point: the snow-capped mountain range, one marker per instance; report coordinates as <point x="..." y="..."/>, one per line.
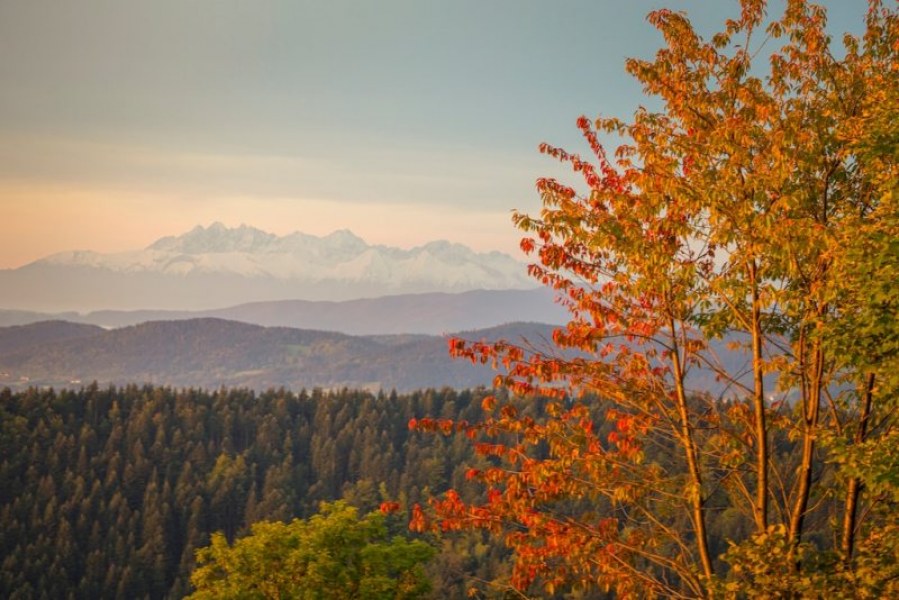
<point x="216" y="266"/>
<point x="341" y="255"/>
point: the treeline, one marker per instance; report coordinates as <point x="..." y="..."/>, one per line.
<point x="106" y="493"/>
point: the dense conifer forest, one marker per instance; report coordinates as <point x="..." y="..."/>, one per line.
<point x="107" y="493"/>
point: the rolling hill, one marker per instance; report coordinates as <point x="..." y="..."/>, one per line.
<point x="211" y="353"/>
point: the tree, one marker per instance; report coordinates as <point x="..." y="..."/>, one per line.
<point x="752" y="216"/>
<point x="334" y="554"/>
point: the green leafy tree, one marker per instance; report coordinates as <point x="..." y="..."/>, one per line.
<point x="334" y="554"/>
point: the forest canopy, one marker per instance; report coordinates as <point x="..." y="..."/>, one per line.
<point x="110" y="492"/>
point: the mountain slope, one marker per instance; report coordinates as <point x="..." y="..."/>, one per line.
<point x="37" y="335"/>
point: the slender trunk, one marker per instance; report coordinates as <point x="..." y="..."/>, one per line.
<point x="811" y="405"/>
<point x="695" y="487"/>
<point x="855" y="484"/>
<point x="760" y="509"/>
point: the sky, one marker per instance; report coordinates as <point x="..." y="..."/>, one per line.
<point x="405" y="121"/>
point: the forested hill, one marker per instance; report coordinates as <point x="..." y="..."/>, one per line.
<point x="212" y="353"/>
<point x="105" y="493"/>
<point x="37" y="335"/>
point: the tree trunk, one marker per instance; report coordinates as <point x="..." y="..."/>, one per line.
<point x="855" y="484"/>
<point x="760" y="509"/>
<point x="811" y="406"/>
<point x="686" y="434"/>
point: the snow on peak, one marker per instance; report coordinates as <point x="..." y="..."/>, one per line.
<point x="344" y="242"/>
<point x="301" y="259"/>
<point x="344" y="236"/>
<point x="216" y="238"/>
<point x="448" y="251"/>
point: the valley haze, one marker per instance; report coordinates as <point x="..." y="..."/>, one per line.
<point x="428" y="313"/>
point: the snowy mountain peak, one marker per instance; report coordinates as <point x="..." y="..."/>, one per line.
<point x="216" y="238"/>
<point x="344" y="240"/>
<point x="210" y="264"/>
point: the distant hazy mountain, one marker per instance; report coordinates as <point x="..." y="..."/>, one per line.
<point x="212" y="352"/>
<point x="219" y="266"/>
<point x="432" y="313"/>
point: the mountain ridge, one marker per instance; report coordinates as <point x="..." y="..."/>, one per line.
<point x="425" y="313"/>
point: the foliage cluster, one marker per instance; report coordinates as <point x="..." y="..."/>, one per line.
<point x="334" y="555"/>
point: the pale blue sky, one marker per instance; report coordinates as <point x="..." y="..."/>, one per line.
<point x="404" y="120"/>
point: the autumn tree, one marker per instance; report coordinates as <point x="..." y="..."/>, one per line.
<point x="754" y="216"/>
